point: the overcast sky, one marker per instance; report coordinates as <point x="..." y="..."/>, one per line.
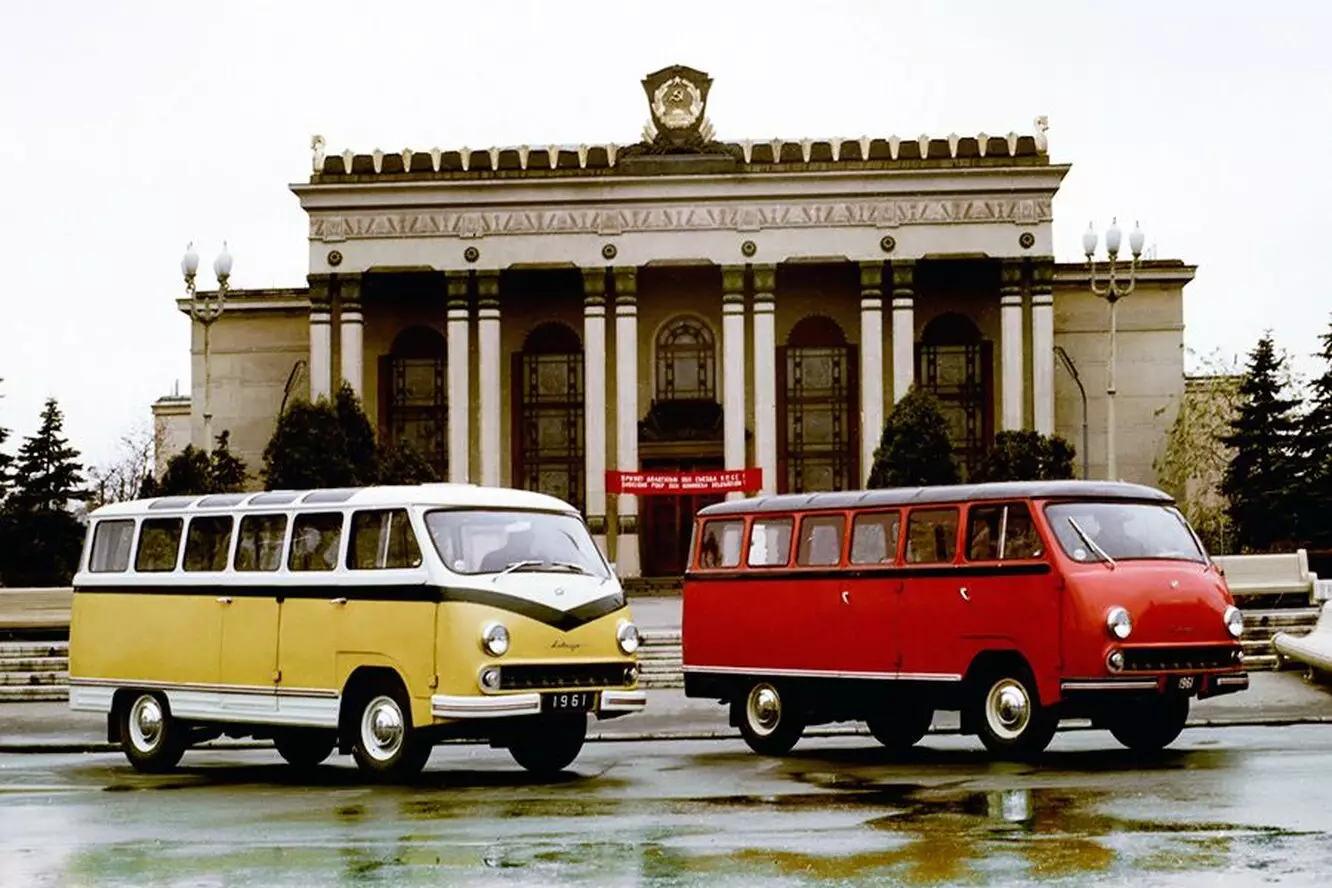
<point x="130" y="128"/>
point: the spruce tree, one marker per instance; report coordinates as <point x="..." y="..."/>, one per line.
<point x="6" y="463"/>
<point x="187" y="473"/>
<point x="1314" y="456"/>
<point x="226" y="470"/>
<point x="1260" y="483"/>
<point x="362" y="452"/>
<point x="404" y="464"/>
<point x="1026" y="456"/>
<point x="915" y="449"/>
<point x="49" y="474"/>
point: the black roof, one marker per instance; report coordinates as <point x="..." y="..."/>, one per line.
<point x="902" y="496"/>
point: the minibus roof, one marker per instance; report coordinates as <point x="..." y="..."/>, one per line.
<point x="950" y="493"/>
<point x="444" y="495"/>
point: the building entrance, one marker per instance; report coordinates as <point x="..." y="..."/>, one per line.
<point x="668" y="521"/>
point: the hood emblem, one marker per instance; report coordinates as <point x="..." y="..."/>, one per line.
<point x="559" y="590"/>
<point x="1174" y="584"/>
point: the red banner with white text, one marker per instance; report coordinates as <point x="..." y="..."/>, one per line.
<point x="676" y="483"/>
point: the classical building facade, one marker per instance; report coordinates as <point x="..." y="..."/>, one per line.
<point x="534" y="316"/>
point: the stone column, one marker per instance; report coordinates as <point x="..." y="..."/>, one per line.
<point x="1042" y="345"/>
<point x="626" y="427"/>
<point x="904" y="327"/>
<point x="733" y="368"/>
<point x="460" y="394"/>
<point x="1010" y="336"/>
<point x="351" y="334"/>
<point x="765" y="376"/>
<point x="489" y="368"/>
<point x="594" y="402"/>
<point x="321" y="339"/>
<point x="871" y="364"/>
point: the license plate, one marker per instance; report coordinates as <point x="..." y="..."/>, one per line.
<point x="1186" y="683"/>
<point x="572" y="701"/>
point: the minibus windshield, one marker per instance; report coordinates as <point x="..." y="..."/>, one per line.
<point x="475" y="541"/>
<point x="1123" y="531"/>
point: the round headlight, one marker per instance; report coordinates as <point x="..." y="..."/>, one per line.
<point x="1118" y="621"/>
<point x="495" y="639"/>
<point x="1234" y="621"/>
<point x="626" y="634"/>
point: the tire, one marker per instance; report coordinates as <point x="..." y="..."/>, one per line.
<point x="903" y="727"/>
<point x="1009" y="717"/>
<point x="384" y="742"/>
<point x="768" y="722"/>
<point x="549" y="745"/>
<point x="150" y="736"/>
<point x="1149" y="725"/>
<point x="305" y="747"/>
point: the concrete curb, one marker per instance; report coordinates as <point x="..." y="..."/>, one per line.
<point x="58" y="747"/>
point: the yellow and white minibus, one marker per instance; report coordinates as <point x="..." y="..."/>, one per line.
<point x="377" y="621"/>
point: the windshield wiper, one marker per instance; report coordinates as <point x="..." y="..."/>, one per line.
<point x="516" y="565"/>
<point x="1091" y="544"/>
<point x="570" y="566"/>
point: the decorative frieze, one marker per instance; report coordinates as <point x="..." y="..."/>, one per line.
<point x="469" y="224"/>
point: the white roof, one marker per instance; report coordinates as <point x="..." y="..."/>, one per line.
<point x="341" y="497"/>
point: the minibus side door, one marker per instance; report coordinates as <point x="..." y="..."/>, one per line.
<point x="933" y="601"/>
<point x="1014" y="603"/>
<point x="873" y="585"/>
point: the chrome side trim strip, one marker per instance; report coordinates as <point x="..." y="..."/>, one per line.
<point x="1108" y="685"/>
<point x="825" y="673"/>
<point x="203" y="686"/>
<point x="622" y="701"/>
<point x="447" y="706"/>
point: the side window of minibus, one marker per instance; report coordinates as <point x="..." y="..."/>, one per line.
<point x="874" y="538"/>
<point x="1002" y="532"/>
<point x="932" y="536"/>
<point x="820" y="540"/>
<point x="159" y="544"/>
<point x="208" y="542"/>
<point x="111" y="546"/>
<point x="259" y="543"/>
<point x="382" y="539"/>
<point x="314" y="541"/>
<point x="770" y="542"/>
<point x="721" y="544"/>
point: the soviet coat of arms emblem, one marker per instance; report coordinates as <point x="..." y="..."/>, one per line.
<point x="678" y="98"/>
<point x="677" y="103"/>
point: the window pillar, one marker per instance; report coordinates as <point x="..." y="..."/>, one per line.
<point x="460" y="400"/>
<point x="488" y="349"/>
<point x="594" y="401"/>
<point x="765" y="375"/>
<point x="626" y="427"/>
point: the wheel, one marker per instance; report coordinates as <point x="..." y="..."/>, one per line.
<point x="767" y="722"/>
<point x="1149" y="725"/>
<point x="1009" y="716"/>
<point x="903" y="727"/>
<point x="305" y="747"/>
<point x="549" y="745"/>
<point x="384" y="743"/>
<point x="150" y="736"/>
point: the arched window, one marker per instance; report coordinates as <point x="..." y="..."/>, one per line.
<point x="548" y="427"/>
<point x="686" y="361"/>
<point x="413" y="388"/>
<point x="817" y="425"/>
<point x="954" y="363"/>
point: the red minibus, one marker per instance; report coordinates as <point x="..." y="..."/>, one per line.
<point x="1017" y="604"/>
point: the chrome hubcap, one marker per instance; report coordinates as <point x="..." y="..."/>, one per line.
<point x="765" y="709"/>
<point x="1008" y="709"/>
<point x="382" y="729"/>
<point x="145" y="723"/>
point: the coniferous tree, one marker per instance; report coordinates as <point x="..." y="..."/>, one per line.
<point x="226" y="470"/>
<point x="42" y="537"/>
<point x="1026" y="456"/>
<point x="187" y="473"/>
<point x="308" y="449"/>
<point x="1314" y="456"/>
<point x="915" y="448"/>
<point x="49" y="474"/>
<point x="6" y="463"/>
<point x="404" y="464"/>
<point x="1260" y="483"/>
<point x="362" y="452"/>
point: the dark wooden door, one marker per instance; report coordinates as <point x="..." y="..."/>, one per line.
<point x="668" y="521"/>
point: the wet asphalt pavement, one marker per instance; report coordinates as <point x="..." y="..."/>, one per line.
<point x="1236" y="806"/>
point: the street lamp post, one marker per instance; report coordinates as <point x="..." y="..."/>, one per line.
<point x="1112" y="292"/>
<point x="205" y="310"/>
<point x="1073" y="372"/>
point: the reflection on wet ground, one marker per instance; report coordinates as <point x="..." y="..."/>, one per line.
<point x="1251" y="808"/>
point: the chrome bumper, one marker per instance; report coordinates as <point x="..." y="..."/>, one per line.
<point x="1205" y="685"/>
<point x="446" y="706"/>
